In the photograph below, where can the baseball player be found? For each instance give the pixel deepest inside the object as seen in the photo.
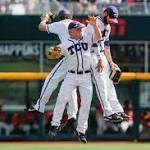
(110, 15)
(58, 73)
(77, 49)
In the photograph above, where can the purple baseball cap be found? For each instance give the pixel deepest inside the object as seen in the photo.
(113, 13)
(75, 24)
(63, 13)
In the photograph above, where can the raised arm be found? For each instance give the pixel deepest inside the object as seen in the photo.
(45, 18)
(97, 32)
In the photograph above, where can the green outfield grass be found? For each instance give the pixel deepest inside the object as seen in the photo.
(74, 146)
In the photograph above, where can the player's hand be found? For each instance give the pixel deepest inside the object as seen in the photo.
(113, 65)
(47, 17)
(91, 20)
(100, 66)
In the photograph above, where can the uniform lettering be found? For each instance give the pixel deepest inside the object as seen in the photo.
(78, 47)
(84, 46)
(71, 49)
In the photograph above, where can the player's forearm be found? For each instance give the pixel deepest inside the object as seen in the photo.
(98, 34)
(108, 55)
(42, 25)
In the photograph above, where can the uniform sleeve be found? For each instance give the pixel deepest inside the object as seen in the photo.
(106, 40)
(53, 27)
(63, 49)
(89, 34)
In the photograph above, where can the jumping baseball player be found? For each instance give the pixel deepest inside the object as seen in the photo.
(77, 49)
(58, 73)
(110, 15)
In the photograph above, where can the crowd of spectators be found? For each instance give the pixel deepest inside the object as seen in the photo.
(21, 7)
(125, 127)
(18, 123)
(26, 123)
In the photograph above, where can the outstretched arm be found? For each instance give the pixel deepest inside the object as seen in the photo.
(97, 32)
(109, 57)
(45, 19)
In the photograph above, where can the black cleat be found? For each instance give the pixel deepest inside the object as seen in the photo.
(115, 118)
(80, 136)
(32, 109)
(54, 130)
(69, 126)
(124, 116)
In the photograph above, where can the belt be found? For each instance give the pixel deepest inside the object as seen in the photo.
(79, 72)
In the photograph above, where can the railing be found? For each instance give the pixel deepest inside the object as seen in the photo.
(31, 76)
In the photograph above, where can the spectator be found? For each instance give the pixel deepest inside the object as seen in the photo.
(16, 121)
(47, 118)
(30, 123)
(75, 6)
(25, 123)
(126, 126)
(145, 117)
(92, 7)
(101, 124)
(3, 6)
(33, 6)
(17, 7)
(5, 128)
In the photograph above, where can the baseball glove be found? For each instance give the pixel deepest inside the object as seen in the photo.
(48, 16)
(115, 74)
(54, 53)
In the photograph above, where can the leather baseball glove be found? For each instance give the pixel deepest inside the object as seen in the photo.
(54, 53)
(115, 74)
(48, 16)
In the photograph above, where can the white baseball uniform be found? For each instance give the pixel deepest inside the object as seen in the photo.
(58, 73)
(111, 92)
(99, 78)
(78, 64)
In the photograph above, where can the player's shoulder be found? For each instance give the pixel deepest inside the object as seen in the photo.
(68, 41)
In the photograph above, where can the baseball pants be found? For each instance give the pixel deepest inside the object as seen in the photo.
(57, 74)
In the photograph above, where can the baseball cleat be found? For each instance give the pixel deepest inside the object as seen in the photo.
(54, 130)
(80, 136)
(32, 109)
(115, 118)
(69, 125)
(124, 116)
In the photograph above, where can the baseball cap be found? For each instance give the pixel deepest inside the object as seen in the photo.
(113, 13)
(75, 24)
(63, 13)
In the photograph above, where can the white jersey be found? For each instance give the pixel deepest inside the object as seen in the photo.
(60, 28)
(78, 53)
(105, 29)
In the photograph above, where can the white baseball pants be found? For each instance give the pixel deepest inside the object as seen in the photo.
(71, 81)
(57, 74)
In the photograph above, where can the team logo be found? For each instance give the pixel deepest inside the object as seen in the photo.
(78, 47)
